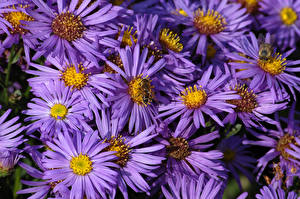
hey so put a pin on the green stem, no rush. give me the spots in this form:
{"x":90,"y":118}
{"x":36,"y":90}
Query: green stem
{"x":9,"y":64}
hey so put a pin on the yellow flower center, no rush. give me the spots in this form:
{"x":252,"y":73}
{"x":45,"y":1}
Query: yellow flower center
{"x":141,"y":90}
{"x":193,"y":97}
{"x":178,"y":148}
{"x":81,"y":165}
{"x":170,"y":40}
{"x":210,"y":22}
{"x":116,"y":59}
{"x":250,"y":5}
{"x":288,"y":16}
{"x":122,"y":150}
{"x":68,"y":26}
{"x":14,"y":19}
{"x":128,"y":34}
{"x":284,"y":143}
{"x":210,"y":52}
{"x":274,"y":65}
{"x":248,"y":99}
{"x":229,"y":155}
{"x":74,"y":79}
{"x":58,"y":111}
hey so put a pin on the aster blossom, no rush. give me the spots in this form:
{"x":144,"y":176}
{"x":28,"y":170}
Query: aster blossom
{"x":281,"y":19}
{"x":265,"y":71}
{"x":277,"y":193}
{"x":58,"y":108}
{"x":219,"y":21}
{"x":69,"y":28}
{"x":206,"y":96}
{"x":80,"y":162}
{"x":134,"y":98}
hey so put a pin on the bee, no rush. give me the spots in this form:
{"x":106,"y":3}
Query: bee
{"x":146,"y":89}
{"x":265,"y":51}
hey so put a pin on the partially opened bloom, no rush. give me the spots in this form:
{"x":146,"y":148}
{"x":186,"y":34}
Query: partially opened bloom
{"x":68,"y":29}
{"x":266,"y":72}
{"x":135,"y":97}
{"x":80,"y":163}
{"x":281,"y":19}
{"x":8,"y":160}
{"x":185,"y":187}
{"x":206,"y":96}
{"x":283,"y":144}
{"x":135,"y":160}
{"x":58,"y":108}
{"x":218,"y":21}
{"x":10,"y":132}
{"x":254,"y":106}
{"x":268,"y":192}
{"x":237,"y":158}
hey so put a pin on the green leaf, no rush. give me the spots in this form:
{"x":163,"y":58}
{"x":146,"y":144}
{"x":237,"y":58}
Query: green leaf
{"x":17,"y":183}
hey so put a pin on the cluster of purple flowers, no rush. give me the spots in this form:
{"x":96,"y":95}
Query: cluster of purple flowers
{"x":143,"y":96}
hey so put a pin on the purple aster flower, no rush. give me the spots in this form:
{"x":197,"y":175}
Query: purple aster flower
{"x":69,"y":29}
{"x":11,"y":15}
{"x":207,"y":96}
{"x":57,"y":109}
{"x":253,"y":105}
{"x":189,"y":154}
{"x":266,"y":68}
{"x":10,"y":133}
{"x":91,"y":85}
{"x":237,"y":158}
{"x":214,"y":20}
{"x":8,"y":160}
{"x":134,"y":98}
{"x":184,"y":187}
{"x":41,"y":188}
{"x":283,"y":144}
{"x":135,"y":159}
{"x":80,"y":162}
{"x":281,"y":19}
{"x":268,"y":192}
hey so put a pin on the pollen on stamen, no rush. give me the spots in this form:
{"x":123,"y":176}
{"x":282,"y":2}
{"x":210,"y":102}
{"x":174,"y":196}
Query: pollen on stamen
{"x":275,"y":65}
{"x":284,"y":143}
{"x":68,"y":26}
{"x":81,"y":164}
{"x":75,"y":79}
{"x":128,"y":36}
{"x":209,"y":23}
{"x":178,"y":148}
{"x":170,"y":40}
{"x":141,"y":90}
{"x":288,"y":16}
{"x":59,"y":111}
{"x":15,"y":18}
{"x":193,"y":97}
{"x":122,"y":150}
{"x":247,"y":103}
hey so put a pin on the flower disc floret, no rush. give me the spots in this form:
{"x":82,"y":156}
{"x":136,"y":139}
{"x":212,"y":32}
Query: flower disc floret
{"x":284,"y":143}
{"x":58,"y":111}
{"x":193,"y":97}
{"x":15,"y":18}
{"x":73,"y":78}
{"x":288,"y":16}
{"x":81,"y":165}
{"x":170,"y":40}
{"x":250,"y":5}
{"x":141,"y":90}
{"x":122,"y":150}
{"x":248,"y":99}
{"x":178,"y":148}
{"x":229,"y":155}
{"x":127,"y":35}
{"x":275,"y":65}
{"x":209,"y":23}
{"x":68,"y":26}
